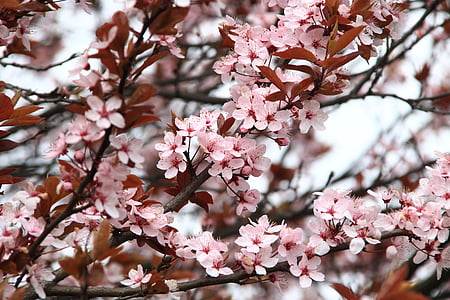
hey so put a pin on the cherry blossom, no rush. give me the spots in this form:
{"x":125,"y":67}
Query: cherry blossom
{"x":137,"y":277}
{"x":307,"y":271}
{"x":311,"y":116}
{"x":105,"y":113}
{"x":128,"y":150}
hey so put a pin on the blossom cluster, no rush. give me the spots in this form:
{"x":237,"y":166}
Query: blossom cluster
{"x":423,"y":219}
{"x":231,"y":158}
{"x":303,"y":27}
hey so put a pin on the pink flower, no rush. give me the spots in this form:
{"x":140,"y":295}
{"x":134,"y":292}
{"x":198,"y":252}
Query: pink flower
{"x":215,"y":145}
{"x":136,"y":277}
{"x":172,"y":144}
{"x":127,"y":150}
{"x":248,"y":201}
{"x":83,"y":129}
{"x":311,"y":116}
{"x":58,"y":148}
{"x":172,"y":164}
{"x":254,"y":238}
{"x":306,"y":270}
{"x":256,"y":261}
{"x":291,"y":245}
{"x":105,"y":113}
{"x":215,"y":265}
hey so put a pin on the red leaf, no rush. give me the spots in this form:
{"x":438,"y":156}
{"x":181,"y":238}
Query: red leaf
{"x":24,"y":110}
{"x":299,"y":87}
{"x":132,"y":181}
{"x":165,"y":22}
{"x":344,"y":40}
{"x":77,"y":108}
{"x":7,"y":107}
{"x":141,"y":94}
{"x":202,"y":199}
{"x":332,"y":63}
{"x":297,"y":53}
{"x":273,"y":77}
{"x":101,"y":240}
{"x":6,"y":145}
{"x":22,"y":120}
{"x":345,"y":291}
{"x":149,"y":61}
{"x":9,"y":3}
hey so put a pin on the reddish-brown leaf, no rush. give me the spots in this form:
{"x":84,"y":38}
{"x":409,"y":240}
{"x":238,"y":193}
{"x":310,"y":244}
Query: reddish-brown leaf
{"x":6,"y":145}
{"x":101,"y":240}
{"x":304,"y":69}
{"x":141,"y":94}
{"x":77,"y":108}
{"x":345,"y":291}
{"x":227,"y":124}
{"x":332,"y":63}
{"x":71,"y":266}
{"x":276,"y":96}
{"x":300,"y":87}
{"x":202,"y":199}
{"x":9,"y":3}
{"x":297,"y":53}
{"x":273,"y":77}
{"x":22,"y":120}
{"x":150,"y":61}
{"x":24,"y":110}
{"x":165,"y":22}
{"x":7,"y":107}
{"x":344,"y":40}
{"x":34,"y":6}
{"x":120,"y":19}
{"x":96,"y":274}
{"x":360,"y":5}
{"x":132,"y":181}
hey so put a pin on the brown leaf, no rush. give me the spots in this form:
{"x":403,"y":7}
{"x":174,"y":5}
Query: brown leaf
{"x":151,"y":60}
{"x":202,"y":199}
{"x":344,"y":40}
{"x":297,"y":53}
{"x":7,"y":107}
{"x":165,"y":22}
{"x":9,"y":3}
{"x":22,"y":120}
{"x":71,"y":266}
{"x":332,"y":63}
{"x":301,"y":86}
{"x":393,"y":281}
{"x":25,"y":110}
{"x":141,"y":94}
{"x":101,"y":240}
{"x":132,"y":181}
{"x":345,"y":291}
{"x":96,"y":274}
{"x":273,"y":77}
{"x":6,"y":145}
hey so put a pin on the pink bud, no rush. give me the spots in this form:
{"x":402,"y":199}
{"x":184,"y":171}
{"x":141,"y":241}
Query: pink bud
{"x":282,"y":141}
{"x":79,"y":156}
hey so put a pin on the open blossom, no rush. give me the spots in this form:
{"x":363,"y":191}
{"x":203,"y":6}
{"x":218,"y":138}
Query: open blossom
{"x":172,"y":144}
{"x":172,"y":164}
{"x":136,"y":277}
{"x":81,"y":129}
{"x":105,"y":113}
{"x":257,"y":262}
{"x":291,"y":245}
{"x":311,"y":116}
{"x":58,"y":148}
{"x":307,"y":271}
{"x":127,"y":149}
